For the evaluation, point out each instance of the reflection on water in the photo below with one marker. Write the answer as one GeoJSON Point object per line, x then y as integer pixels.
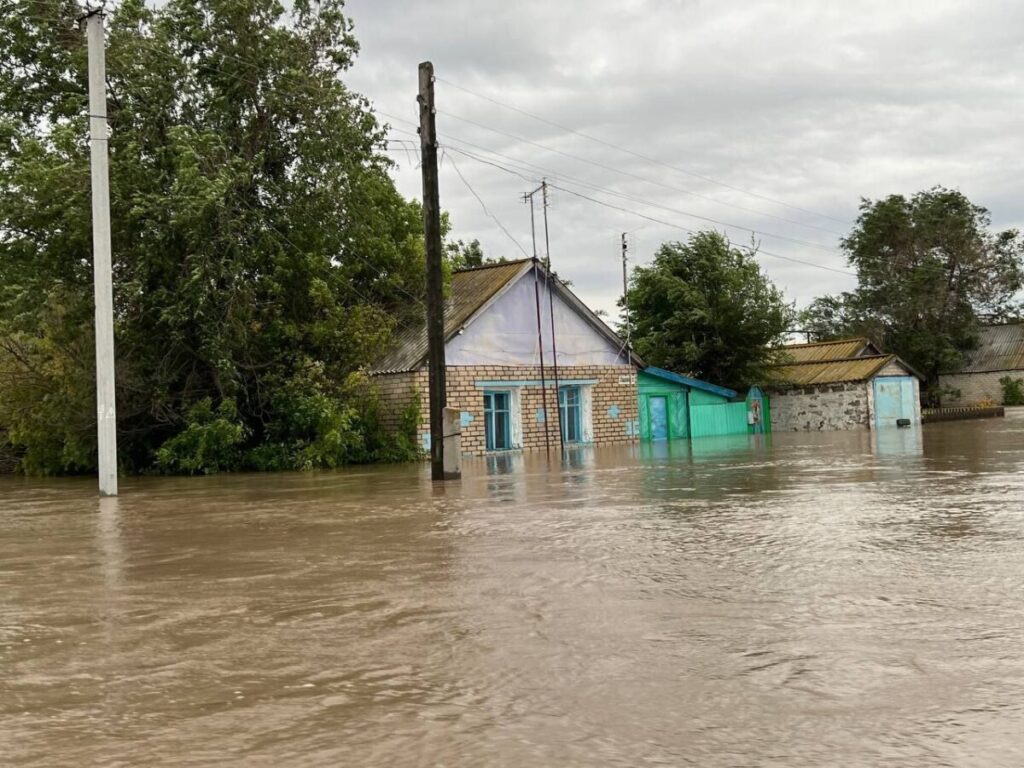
{"type": "Point", "coordinates": [789, 600]}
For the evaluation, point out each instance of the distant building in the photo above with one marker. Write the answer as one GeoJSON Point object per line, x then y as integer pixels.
{"type": "Point", "coordinates": [674, 407]}
{"type": "Point", "coordinates": [492, 351]}
{"type": "Point", "coordinates": [1000, 353]}
{"type": "Point", "coordinates": [839, 385]}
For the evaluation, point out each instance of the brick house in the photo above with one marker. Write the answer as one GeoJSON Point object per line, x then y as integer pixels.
{"type": "Point", "coordinates": [1000, 353]}
{"type": "Point", "coordinates": [495, 378]}
{"type": "Point", "coordinates": [841, 385]}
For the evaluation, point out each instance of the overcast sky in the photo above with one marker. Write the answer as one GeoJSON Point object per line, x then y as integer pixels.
{"type": "Point", "coordinates": [797, 110]}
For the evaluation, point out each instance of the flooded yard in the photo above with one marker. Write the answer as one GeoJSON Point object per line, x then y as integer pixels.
{"type": "Point", "coordinates": [798, 600]}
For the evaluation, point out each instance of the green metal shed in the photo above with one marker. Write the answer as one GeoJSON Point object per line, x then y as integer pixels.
{"type": "Point", "coordinates": [674, 406]}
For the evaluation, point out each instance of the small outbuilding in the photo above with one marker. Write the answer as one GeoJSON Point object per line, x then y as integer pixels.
{"type": "Point", "coordinates": [842, 385]}
{"type": "Point", "coordinates": [675, 407]}
{"type": "Point", "coordinates": [1000, 354]}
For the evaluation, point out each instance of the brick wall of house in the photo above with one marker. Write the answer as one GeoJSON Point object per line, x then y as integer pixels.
{"type": "Point", "coordinates": [613, 401]}
{"type": "Point", "coordinates": [975, 387]}
{"type": "Point", "coordinates": [825, 407]}
{"type": "Point", "coordinates": [397, 390]}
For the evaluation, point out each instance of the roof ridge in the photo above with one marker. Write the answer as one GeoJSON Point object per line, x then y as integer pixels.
{"type": "Point", "coordinates": [852, 359]}
{"type": "Point", "coordinates": [865, 339]}
{"type": "Point", "coordinates": [490, 266]}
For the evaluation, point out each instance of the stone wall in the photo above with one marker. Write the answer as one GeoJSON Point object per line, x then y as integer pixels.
{"type": "Point", "coordinates": [823, 408]}
{"type": "Point", "coordinates": [612, 400]}
{"type": "Point", "coordinates": [975, 387]}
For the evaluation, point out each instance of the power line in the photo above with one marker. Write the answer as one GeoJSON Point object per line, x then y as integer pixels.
{"type": "Point", "coordinates": [657, 220]}
{"type": "Point", "coordinates": [525, 167]}
{"type": "Point", "coordinates": [143, 43]}
{"type": "Point", "coordinates": [686, 229]}
{"type": "Point", "coordinates": [484, 206]}
{"type": "Point", "coordinates": [629, 174]}
{"type": "Point", "coordinates": [656, 161]}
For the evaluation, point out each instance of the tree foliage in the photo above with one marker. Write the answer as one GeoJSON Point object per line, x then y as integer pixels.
{"type": "Point", "coordinates": [929, 269]}
{"type": "Point", "coordinates": [261, 252]}
{"type": "Point", "coordinates": [704, 307]}
{"type": "Point", "coordinates": [462, 255]}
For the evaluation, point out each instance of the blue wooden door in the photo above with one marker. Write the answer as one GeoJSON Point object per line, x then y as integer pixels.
{"type": "Point", "coordinates": [497, 421]}
{"type": "Point", "coordinates": [894, 399]}
{"type": "Point", "coordinates": [658, 408]}
{"type": "Point", "coordinates": [570, 411]}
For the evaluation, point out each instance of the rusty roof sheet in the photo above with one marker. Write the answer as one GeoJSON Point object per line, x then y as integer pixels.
{"type": "Point", "coordinates": [830, 371]}
{"type": "Point", "coordinates": [470, 290]}
{"type": "Point", "coordinates": [1000, 348]}
{"type": "Point", "coordinates": [842, 349]}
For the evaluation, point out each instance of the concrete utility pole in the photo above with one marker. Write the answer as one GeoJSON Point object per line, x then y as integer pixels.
{"type": "Point", "coordinates": [106, 411]}
{"type": "Point", "coordinates": [436, 367]}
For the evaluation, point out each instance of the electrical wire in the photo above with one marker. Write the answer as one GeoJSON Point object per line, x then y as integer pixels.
{"type": "Point", "coordinates": [484, 206]}
{"type": "Point", "coordinates": [656, 161]}
{"type": "Point", "coordinates": [144, 44]}
{"type": "Point", "coordinates": [656, 220]}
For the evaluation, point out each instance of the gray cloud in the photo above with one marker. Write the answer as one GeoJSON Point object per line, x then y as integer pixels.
{"type": "Point", "coordinates": [817, 104]}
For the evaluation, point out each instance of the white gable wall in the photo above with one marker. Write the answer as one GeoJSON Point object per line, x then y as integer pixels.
{"type": "Point", "coordinates": [506, 333]}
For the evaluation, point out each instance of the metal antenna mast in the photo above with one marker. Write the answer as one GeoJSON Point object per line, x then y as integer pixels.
{"type": "Point", "coordinates": [528, 198]}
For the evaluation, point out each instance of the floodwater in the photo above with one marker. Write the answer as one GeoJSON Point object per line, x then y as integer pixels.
{"type": "Point", "coordinates": [808, 600]}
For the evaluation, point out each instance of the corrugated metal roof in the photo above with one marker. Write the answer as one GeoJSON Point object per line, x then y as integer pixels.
{"type": "Point", "coordinates": [470, 290]}
{"type": "Point", "coordinates": [1000, 348]}
{"type": "Point", "coordinates": [842, 349]}
{"type": "Point", "coordinates": [830, 371]}
{"type": "Point", "coordinates": [676, 378]}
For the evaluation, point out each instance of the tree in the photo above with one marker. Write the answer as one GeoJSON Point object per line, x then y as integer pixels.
{"type": "Point", "coordinates": [462, 255]}
{"type": "Point", "coordinates": [262, 255]}
{"type": "Point", "coordinates": [929, 270]}
{"type": "Point", "coordinates": [705, 308]}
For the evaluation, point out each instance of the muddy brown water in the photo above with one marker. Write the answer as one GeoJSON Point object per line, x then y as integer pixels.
{"type": "Point", "coordinates": [808, 600]}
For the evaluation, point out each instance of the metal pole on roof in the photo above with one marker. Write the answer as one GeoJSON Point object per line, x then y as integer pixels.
{"type": "Point", "coordinates": [551, 308]}
{"type": "Point", "coordinates": [540, 333]}
{"type": "Point", "coordinates": [625, 305]}
{"type": "Point", "coordinates": [625, 299]}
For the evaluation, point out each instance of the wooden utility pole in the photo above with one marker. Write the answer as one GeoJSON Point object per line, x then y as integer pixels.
{"type": "Point", "coordinates": [106, 411]}
{"type": "Point", "coordinates": [435, 281]}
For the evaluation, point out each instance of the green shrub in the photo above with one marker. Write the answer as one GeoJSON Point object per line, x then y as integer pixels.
{"type": "Point", "coordinates": [1013, 391]}
{"type": "Point", "coordinates": [211, 441]}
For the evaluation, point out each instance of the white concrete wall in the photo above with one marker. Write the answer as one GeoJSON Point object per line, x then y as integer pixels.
{"type": "Point", "coordinates": [824, 408]}
{"type": "Point", "coordinates": [975, 387]}
{"type": "Point", "coordinates": [506, 333]}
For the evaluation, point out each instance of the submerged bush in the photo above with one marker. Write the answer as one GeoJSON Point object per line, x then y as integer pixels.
{"type": "Point", "coordinates": [1013, 391]}
{"type": "Point", "coordinates": [211, 441]}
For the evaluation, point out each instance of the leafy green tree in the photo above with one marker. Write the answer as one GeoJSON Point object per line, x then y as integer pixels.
{"type": "Point", "coordinates": [704, 307]}
{"type": "Point", "coordinates": [261, 252]}
{"type": "Point", "coordinates": [929, 269]}
{"type": "Point", "coordinates": [462, 255]}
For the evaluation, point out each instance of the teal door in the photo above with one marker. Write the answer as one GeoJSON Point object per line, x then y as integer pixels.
{"type": "Point", "coordinates": [658, 408]}
{"type": "Point", "coordinates": [497, 421]}
{"type": "Point", "coordinates": [570, 411]}
{"type": "Point", "coordinates": [894, 399]}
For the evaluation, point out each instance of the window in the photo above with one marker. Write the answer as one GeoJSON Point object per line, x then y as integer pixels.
{"type": "Point", "coordinates": [498, 421]}
{"type": "Point", "coordinates": [570, 412]}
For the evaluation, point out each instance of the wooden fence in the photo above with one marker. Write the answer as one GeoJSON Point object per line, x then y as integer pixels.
{"type": "Point", "coordinates": [956, 414]}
